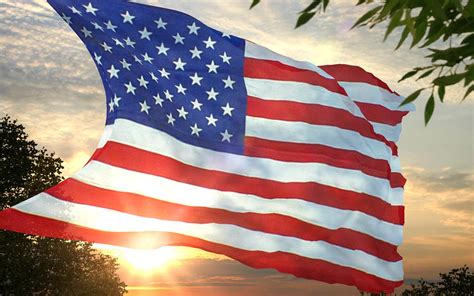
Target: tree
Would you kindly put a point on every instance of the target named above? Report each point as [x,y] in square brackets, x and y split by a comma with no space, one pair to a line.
[38,265]
[444,27]
[459,281]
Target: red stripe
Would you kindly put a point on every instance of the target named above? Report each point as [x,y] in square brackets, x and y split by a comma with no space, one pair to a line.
[273,70]
[313,114]
[284,262]
[135,159]
[299,152]
[380,114]
[351,73]
[78,192]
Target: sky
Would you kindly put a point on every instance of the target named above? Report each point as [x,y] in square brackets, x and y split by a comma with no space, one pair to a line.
[50,84]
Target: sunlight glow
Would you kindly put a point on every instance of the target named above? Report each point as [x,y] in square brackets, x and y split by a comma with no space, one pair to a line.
[148,260]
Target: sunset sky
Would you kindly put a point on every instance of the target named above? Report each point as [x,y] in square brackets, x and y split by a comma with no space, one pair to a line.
[48,81]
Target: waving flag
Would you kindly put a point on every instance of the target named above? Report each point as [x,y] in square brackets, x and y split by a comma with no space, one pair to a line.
[215,142]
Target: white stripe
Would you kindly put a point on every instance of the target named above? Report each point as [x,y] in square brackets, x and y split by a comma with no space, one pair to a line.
[105,136]
[390,132]
[109,177]
[113,221]
[299,92]
[146,138]
[367,93]
[256,51]
[302,132]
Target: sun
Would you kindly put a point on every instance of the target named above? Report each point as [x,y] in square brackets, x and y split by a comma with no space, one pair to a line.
[148,260]
[143,260]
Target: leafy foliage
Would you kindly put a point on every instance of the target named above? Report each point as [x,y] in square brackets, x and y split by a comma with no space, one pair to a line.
[32,265]
[459,281]
[444,27]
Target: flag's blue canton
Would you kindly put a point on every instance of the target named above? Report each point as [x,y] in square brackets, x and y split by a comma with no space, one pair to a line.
[165,69]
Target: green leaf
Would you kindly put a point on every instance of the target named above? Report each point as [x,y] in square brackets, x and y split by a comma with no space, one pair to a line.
[388,8]
[254,2]
[419,33]
[429,108]
[427,73]
[304,18]
[361,21]
[449,80]
[441,92]
[408,75]
[325,4]
[469,90]
[312,6]
[394,22]
[411,97]
[403,37]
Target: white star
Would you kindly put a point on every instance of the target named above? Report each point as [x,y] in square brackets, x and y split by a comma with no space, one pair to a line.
[180,89]
[162,49]
[178,39]
[145,34]
[111,105]
[97,59]
[74,10]
[182,113]
[67,19]
[193,29]
[127,17]
[147,58]
[142,82]
[113,72]
[179,64]
[212,95]
[129,42]
[144,107]
[228,82]
[209,43]
[226,136]
[212,67]
[110,26]
[118,42]
[227,110]
[158,100]
[153,76]
[97,26]
[90,9]
[196,79]
[164,73]
[196,104]
[116,100]
[225,35]
[86,32]
[171,119]
[130,88]
[136,59]
[225,58]
[211,120]
[195,130]
[160,24]
[125,65]
[168,95]
[196,53]
[106,47]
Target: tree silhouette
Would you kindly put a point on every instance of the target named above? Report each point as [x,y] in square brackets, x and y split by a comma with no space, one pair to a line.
[37,265]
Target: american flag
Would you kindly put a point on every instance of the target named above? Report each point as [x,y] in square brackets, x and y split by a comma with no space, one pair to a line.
[214,142]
